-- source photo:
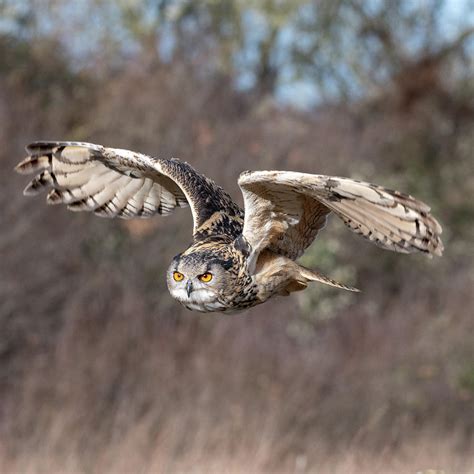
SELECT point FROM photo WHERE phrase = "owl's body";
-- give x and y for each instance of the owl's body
(238, 258)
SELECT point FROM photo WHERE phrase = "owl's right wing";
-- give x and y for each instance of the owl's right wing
(112, 182)
(285, 210)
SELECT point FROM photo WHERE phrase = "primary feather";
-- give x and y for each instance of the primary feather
(107, 181)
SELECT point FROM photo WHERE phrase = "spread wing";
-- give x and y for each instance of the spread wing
(120, 183)
(285, 210)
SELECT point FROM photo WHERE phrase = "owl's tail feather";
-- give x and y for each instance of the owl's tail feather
(280, 275)
(313, 275)
(302, 276)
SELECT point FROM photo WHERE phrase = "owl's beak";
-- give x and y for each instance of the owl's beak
(189, 287)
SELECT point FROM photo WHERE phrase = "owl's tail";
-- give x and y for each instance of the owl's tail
(301, 276)
(313, 275)
(280, 275)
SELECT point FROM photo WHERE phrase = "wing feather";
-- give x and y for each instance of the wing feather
(285, 210)
(113, 182)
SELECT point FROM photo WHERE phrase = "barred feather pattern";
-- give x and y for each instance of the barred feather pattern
(285, 210)
(113, 182)
(109, 182)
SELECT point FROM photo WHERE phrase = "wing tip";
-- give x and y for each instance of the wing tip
(438, 249)
(24, 167)
(34, 187)
(30, 190)
(54, 197)
(41, 145)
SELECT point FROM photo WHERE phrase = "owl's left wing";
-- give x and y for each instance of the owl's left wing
(285, 210)
(112, 182)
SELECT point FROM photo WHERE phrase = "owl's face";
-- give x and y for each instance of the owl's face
(198, 279)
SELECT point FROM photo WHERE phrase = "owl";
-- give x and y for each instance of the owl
(239, 258)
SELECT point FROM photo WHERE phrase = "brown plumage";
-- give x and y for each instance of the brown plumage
(237, 259)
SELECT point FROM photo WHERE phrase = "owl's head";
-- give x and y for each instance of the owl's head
(197, 280)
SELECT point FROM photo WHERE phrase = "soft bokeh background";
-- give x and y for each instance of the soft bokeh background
(101, 371)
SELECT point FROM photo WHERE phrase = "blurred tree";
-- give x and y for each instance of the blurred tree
(239, 38)
(352, 47)
(343, 49)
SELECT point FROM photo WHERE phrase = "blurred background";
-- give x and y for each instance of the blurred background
(101, 371)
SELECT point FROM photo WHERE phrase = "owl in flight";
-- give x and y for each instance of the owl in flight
(239, 257)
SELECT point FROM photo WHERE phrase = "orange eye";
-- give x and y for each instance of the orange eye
(178, 276)
(206, 277)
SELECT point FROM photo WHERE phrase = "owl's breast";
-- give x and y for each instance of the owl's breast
(210, 307)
